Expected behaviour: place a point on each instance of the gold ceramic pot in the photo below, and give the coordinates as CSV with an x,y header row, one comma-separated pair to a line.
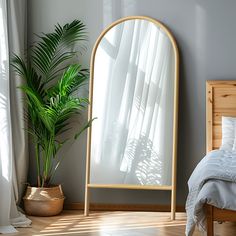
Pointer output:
x,y
43,201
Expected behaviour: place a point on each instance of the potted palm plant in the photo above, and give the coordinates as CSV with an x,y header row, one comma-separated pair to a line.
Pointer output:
x,y
51,83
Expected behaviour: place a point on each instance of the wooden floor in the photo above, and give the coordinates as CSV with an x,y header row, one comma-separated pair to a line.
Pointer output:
x,y
114,224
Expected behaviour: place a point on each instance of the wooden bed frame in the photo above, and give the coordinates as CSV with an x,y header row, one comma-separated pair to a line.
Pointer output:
x,y
220,101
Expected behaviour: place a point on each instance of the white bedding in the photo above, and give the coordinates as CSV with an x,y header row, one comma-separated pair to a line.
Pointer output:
x,y
212,181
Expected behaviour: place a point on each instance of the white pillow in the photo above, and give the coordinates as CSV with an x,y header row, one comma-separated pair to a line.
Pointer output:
x,y
228,133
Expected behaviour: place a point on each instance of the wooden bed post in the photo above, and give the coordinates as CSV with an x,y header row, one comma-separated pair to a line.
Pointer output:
x,y
210,220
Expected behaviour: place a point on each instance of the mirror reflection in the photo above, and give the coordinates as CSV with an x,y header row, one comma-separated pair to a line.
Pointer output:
x,y
133,100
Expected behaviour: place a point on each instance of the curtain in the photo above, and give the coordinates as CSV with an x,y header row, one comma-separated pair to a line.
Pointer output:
x,y
133,103
13,142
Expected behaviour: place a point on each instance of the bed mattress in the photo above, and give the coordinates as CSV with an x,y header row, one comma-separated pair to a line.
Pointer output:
x,y
214,182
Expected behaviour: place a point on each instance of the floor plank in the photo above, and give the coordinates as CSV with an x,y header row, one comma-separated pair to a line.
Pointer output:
x,y
115,224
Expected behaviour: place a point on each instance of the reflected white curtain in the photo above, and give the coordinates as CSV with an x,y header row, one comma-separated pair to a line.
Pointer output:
x,y
13,158
133,101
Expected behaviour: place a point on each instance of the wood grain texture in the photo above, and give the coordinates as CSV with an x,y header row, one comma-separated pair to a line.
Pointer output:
x,y
114,224
123,207
210,221
131,186
220,101
224,215
209,92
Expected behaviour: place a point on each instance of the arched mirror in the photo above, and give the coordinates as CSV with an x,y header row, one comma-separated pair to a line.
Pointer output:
x,y
134,96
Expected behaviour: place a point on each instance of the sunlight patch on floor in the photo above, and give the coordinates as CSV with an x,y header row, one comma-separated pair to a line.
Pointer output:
x,y
109,223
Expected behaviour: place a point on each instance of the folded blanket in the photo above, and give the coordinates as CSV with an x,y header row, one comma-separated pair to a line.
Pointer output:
x,y
216,165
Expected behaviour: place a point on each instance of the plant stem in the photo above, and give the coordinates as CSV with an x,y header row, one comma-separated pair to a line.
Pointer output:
x,y
38,164
48,156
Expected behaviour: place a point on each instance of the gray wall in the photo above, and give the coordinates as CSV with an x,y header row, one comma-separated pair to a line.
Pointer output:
x,y
206,34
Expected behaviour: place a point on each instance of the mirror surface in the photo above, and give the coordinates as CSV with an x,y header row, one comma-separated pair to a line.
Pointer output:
x,y
133,101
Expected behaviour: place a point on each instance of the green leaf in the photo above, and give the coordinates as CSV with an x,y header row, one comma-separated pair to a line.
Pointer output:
x,y
54,49
50,85
87,125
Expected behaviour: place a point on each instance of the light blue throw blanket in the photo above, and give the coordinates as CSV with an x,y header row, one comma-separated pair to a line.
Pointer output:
x,y
213,182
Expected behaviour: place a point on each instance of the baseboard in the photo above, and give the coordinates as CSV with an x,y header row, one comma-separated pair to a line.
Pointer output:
x,y
122,207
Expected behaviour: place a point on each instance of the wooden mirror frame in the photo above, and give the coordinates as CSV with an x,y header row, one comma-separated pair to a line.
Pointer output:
x,y
171,187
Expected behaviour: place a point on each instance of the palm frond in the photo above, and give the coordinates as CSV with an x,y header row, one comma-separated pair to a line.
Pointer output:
x,y
72,79
28,73
54,49
84,127
50,84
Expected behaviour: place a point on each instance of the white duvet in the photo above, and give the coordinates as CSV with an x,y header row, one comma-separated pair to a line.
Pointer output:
x,y
212,181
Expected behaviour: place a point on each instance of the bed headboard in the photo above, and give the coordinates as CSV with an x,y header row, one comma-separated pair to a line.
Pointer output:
x,y
220,101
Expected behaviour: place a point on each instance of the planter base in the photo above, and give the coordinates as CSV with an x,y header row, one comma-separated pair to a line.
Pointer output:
x,y
43,201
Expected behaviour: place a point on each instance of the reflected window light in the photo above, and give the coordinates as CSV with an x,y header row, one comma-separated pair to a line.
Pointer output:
x,y
129,101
